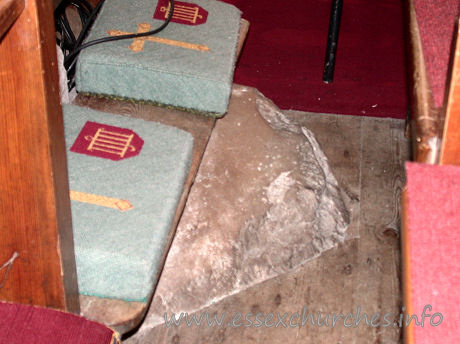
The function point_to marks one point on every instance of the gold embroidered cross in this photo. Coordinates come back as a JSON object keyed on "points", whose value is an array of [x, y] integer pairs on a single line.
{"points": [[138, 43], [104, 201]]}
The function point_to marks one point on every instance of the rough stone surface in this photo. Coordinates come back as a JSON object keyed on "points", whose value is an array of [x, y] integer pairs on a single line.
{"points": [[264, 202]]}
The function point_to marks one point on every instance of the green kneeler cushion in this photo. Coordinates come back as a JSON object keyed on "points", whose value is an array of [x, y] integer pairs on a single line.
{"points": [[126, 178], [189, 65]]}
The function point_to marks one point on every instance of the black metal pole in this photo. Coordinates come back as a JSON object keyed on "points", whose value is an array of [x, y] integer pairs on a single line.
{"points": [[332, 38]]}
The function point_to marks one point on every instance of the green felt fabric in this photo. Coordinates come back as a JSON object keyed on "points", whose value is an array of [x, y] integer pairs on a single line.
{"points": [[163, 73], [118, 253]]}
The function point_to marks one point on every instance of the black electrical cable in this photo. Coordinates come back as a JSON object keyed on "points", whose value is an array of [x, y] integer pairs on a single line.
{"points": [[116, 38], [65, 37], [72, 46]]}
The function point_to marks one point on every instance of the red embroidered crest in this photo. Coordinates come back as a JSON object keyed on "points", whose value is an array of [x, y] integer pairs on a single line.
{"points": [[108, 142], [184, 12]]}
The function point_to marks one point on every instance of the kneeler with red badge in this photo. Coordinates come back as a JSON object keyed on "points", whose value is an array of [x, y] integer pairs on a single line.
{"points": [[189, 65], [126, 177]]}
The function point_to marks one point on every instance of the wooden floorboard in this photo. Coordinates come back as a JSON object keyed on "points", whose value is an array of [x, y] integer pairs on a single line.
{"points": [[377, 285], [366, 155]]}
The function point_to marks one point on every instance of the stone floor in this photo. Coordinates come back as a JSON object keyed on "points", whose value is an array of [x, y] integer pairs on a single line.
{"points": [[248, 201]]}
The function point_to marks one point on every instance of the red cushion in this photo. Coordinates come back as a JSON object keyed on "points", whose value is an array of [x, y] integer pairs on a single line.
{"points": [[434, 246], [21, 324]]}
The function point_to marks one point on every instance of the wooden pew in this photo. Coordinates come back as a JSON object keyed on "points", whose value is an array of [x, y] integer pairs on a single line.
{"points": [[35, 217], [450, 149], [436, 140], [426, 127]]}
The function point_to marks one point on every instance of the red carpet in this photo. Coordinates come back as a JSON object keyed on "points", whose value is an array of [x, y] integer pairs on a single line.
{"points": [[286, 45], [436, 20]]}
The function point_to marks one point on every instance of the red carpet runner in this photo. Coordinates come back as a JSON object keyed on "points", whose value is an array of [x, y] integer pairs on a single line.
{"points": [[286, 45], [436, 20]]}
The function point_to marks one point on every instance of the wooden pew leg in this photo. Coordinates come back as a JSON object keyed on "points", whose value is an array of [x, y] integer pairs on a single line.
{"points": [[450, 149]]}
